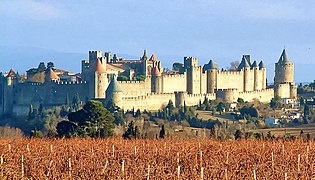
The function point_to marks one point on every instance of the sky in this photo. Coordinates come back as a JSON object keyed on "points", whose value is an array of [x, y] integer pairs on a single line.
{"points": [[222, 30]]}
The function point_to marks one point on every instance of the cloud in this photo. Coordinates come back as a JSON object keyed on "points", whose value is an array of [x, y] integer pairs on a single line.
{"points": [[258, 10], [29, 9]]}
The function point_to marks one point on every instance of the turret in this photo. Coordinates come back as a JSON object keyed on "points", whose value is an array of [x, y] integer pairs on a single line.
{"points": [[114, 92], [193, 75], [284, 69], [284, 77], [212, 73], [156, 81], [255, 67], [263, 69], [244, 65], [100, 80]]}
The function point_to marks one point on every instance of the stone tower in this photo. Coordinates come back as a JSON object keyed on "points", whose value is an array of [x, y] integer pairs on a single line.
{"points": [[284, 70], [156, 80], [212, 73], [8, 83], [99, 80], [284, 85], [144, 60], [114, 93], [193, 75], [263, 69], [246, 68]]}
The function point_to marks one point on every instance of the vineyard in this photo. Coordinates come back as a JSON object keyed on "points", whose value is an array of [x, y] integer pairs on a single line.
{"points": [[155, 159]]}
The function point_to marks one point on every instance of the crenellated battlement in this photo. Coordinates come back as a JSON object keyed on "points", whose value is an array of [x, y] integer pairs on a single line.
{"points": [[71, 83], [148, 96], [131, 82], [257, 91], [228, 89], [170, 76], [230, 72]]}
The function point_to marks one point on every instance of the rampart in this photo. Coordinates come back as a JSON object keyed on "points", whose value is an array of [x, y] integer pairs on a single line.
{"points": [[230, 80], [52, 93], [262, 95], [151, 101], [135, 88], [171, 83]]}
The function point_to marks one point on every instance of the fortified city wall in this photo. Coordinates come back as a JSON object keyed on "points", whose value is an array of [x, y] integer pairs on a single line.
{"points": [[171, 83], [262, 95], [135, 88], [230, 80]]}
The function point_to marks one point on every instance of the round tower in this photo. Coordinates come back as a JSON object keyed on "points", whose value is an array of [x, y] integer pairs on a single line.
{"points": [[284, 70], [247, 86], [114, 93], [256, 76], [179, 99], [263, 69], [212, 73], [156, 81], [227, 95], [100, 79]]}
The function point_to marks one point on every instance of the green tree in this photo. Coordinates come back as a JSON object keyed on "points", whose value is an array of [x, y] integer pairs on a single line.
{"points": [[76, 101], [177, 66], [275, 102], [93, 120], [221, 107], [132, 131], [36, 134], [66, 129]]}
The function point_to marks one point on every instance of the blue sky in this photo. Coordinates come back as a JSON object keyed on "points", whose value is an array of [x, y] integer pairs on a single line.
{"points": [[222, 30]]}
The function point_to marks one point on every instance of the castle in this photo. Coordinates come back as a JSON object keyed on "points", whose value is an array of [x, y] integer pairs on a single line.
{"points": [[189, 85]]}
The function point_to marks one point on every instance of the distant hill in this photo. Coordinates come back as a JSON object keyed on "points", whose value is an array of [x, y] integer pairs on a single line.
{"points": [[23, 58]]}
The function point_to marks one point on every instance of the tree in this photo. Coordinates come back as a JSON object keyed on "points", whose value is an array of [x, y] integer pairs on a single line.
{"points": [[132, 131], [36, 134], [234, 65], [221, 107], [76, 101], [162, 132], [50, 65], [123, 78], [93, 120], [306, 111], [177, 66], [275, 102], [66, 129], [249, 111]]}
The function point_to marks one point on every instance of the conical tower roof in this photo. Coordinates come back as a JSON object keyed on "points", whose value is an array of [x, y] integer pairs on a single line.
{"points": [[11, 73], [155, 71], [145, 56], [284, 58], [153, 58], [113, 86], [254, 64], [244, 63], [51, 75], [99, 68], [210, 65], [261, 65]]}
